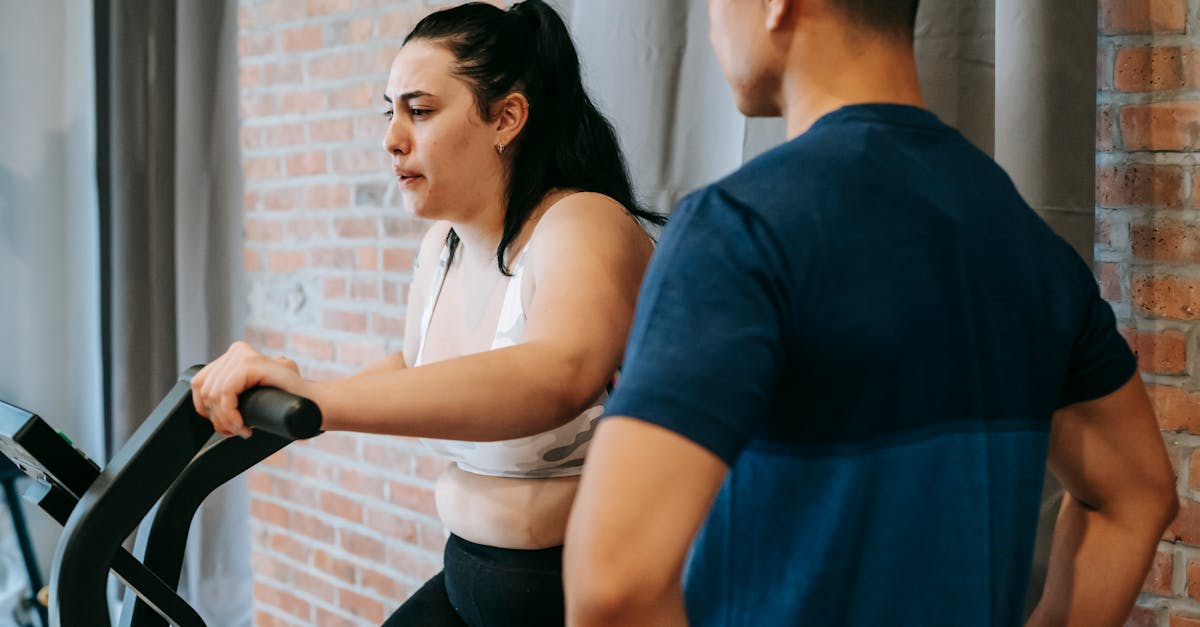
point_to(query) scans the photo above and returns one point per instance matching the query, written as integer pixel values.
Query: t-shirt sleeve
(1101, 361)
(707, 346)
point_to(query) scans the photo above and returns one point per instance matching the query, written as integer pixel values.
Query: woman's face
(443, 153)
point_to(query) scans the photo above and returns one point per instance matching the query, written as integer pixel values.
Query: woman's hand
(215, 389)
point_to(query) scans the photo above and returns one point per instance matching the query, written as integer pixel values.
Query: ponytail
(566, 142)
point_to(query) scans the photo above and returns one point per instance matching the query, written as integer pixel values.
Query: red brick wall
(344, 528)
(1148, 251)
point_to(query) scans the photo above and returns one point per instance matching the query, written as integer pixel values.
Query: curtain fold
(174, 229)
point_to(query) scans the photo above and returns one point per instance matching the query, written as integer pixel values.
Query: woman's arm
(587, 262)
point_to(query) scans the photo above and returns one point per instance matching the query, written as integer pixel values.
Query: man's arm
(645, 493)
(1110, 458)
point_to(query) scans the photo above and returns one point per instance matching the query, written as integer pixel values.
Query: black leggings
(486, 586)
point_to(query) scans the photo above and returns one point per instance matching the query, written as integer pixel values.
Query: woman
(522, 297)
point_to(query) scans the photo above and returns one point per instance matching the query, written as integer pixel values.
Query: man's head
(752, 38)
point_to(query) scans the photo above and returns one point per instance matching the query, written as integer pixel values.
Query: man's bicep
(1110, 447)
(644, 495)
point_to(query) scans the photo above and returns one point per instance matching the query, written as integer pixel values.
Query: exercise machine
(154, 484)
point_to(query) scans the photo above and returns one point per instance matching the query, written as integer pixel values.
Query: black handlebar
(275, 411)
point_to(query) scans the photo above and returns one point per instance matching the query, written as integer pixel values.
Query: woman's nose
(396, 140)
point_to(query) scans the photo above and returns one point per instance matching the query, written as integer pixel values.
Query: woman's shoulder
(583, 221)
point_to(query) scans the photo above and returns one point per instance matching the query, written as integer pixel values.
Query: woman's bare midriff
(504, 512)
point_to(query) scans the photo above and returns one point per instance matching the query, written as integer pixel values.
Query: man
(850, 360)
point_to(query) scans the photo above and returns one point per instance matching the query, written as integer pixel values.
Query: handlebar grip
(275, 411)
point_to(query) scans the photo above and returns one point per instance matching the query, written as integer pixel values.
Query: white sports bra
(558, 452)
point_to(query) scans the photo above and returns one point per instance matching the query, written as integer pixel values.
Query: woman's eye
(418, 114)
(388, 114)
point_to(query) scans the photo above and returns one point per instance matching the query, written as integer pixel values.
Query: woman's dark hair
(566, 142)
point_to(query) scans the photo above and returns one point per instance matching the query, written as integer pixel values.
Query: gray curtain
(1016, 77)
(174, 211)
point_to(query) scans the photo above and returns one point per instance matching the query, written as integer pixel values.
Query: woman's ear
(511, 114)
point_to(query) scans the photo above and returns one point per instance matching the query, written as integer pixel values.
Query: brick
(326, 618)
(351, 31)
(266, 339)
(430, 467)
(406, 560)
(1104, 128)
(252, 260)
(334, 288)
(1161, 353)
(411, 497)
(313, 467)
(1161, 126)
(433, 537)
(283, 135)
(1158, 578)
(303, 102)
(312, 347)
(307, 229)
(334, 196)
(358, 161)
(282, 199)
(1175, 408)
(1145, 69)
(282, 73)
(336, 567)
(286, 261)
(388, 326)
(396, 24)
(292, 548)
(340, 258)
(332, 130)
(361, 606)
(340, 444)
(383, 585)
(268, 512)
(359, 483)
(396, 528)
(270, 567)
(257, 44)
(330, 66)
(351, 321)
(1110, 281)
(259, 483)
(354, 97)
(368, 259)
(257, 105)
(250, 139)
(356, 227)
(262, 230)
(250, 200)
(1140, 185)
(1166, 240)
(327, 7)
(313, 587)
(282, 599)
(1119, 17)
(398, 259)
(338, 505)
(364, 290)
(302, 38)
(358, 355)
(1168, 297)
(313, 528)
(306, 164)
(360, 545)
(262, 169)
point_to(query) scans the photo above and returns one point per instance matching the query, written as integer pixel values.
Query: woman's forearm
(494, 395)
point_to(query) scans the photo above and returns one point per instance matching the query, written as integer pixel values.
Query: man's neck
(824, 77)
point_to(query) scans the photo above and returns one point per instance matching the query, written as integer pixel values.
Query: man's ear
(511, 114)
(777, 11)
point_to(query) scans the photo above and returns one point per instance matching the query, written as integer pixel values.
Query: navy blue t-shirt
(872, 329)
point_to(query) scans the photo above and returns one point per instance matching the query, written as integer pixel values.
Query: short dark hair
(566, 143)
(893, 18)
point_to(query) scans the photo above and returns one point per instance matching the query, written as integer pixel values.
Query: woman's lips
(408, 179)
